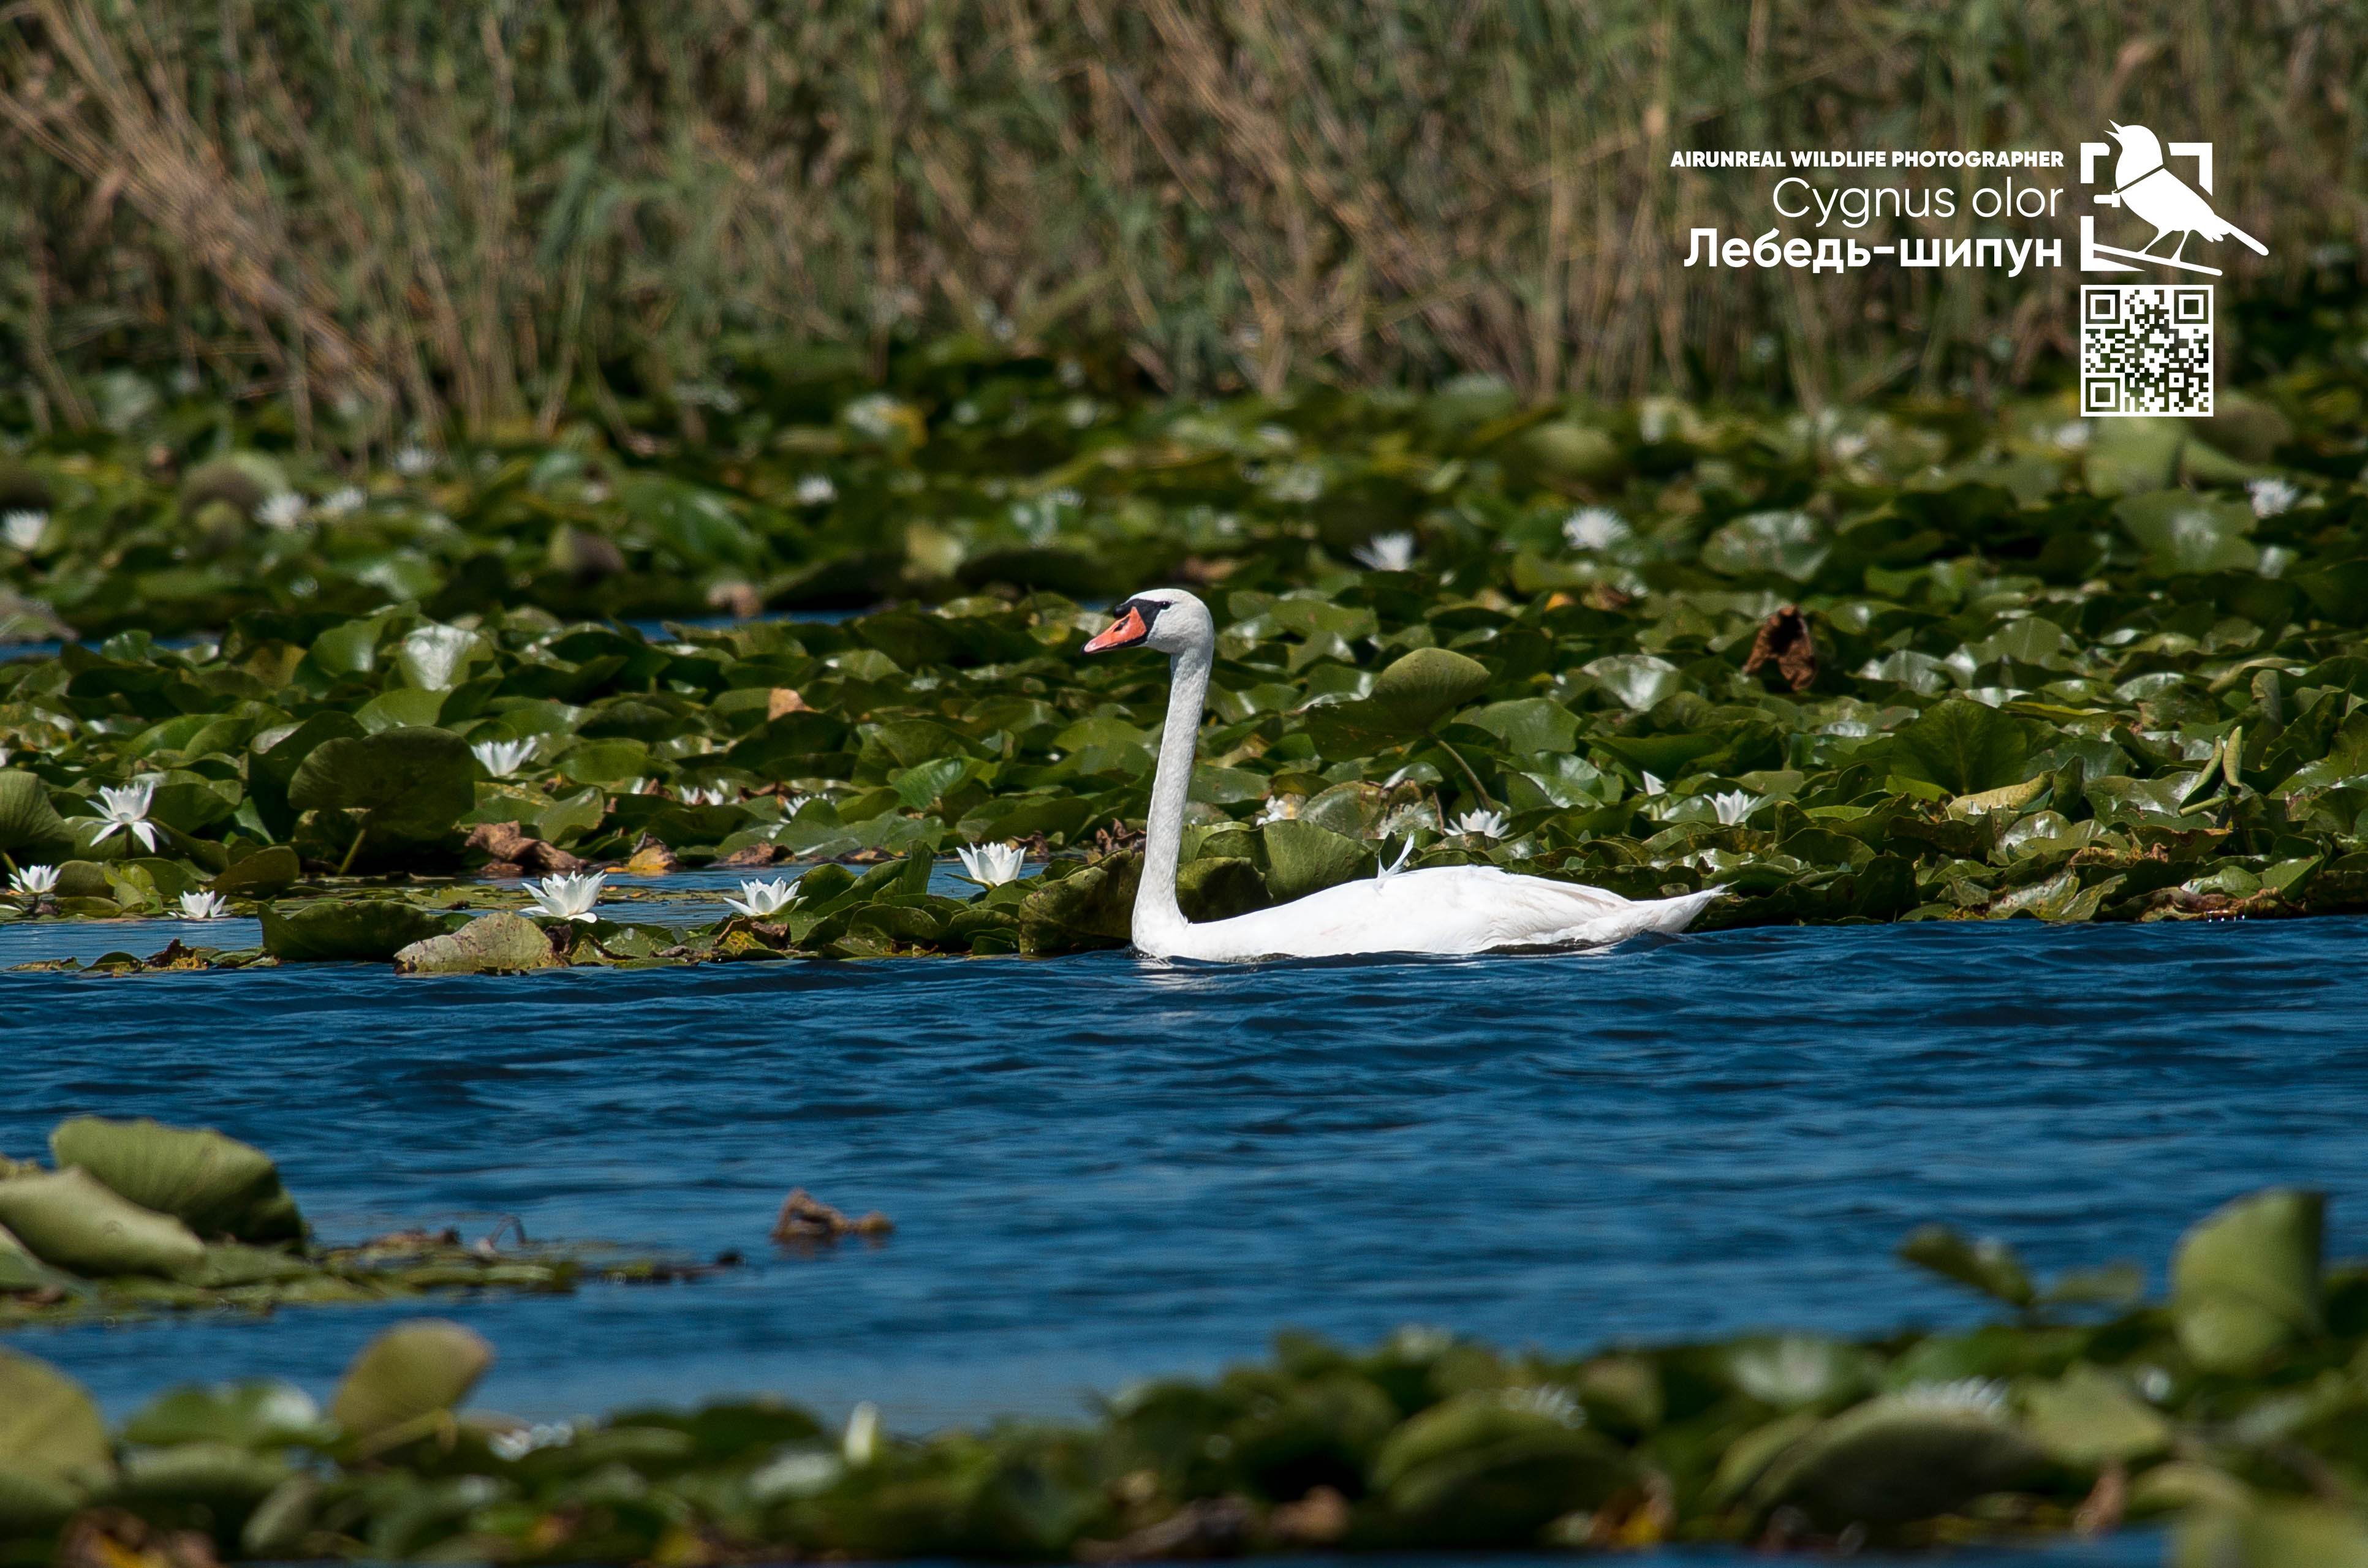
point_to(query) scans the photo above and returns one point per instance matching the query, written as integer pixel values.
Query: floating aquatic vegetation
(2231, 1413)
(1966, 669)
(136, 1218)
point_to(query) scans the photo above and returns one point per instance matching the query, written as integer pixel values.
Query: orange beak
(1127, 629)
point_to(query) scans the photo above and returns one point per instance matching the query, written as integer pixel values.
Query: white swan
(1438, 909)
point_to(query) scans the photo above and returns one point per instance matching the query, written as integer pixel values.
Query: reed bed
(400, 215)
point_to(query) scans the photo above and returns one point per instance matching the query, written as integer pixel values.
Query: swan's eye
(1131, 627)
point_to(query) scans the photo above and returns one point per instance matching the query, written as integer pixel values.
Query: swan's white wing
(1441, 909)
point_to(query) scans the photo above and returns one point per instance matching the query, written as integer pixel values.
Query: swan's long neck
(1158, 922)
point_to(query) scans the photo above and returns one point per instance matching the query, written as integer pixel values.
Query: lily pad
(369, 932)
(2089, 1417)
(214, 1184)
(1408, 697)
(1093, 908)
(68, 1219)
(410, 783)
(261, 1413)
(1494, 1466)
(1303, 859)
(54, 1445)
(1964, 747)
(2245, 1282)
(1897, 1458)
(499, 943)
(30, 828)
(267, 873)
(409, 1374)
(1989, 1265)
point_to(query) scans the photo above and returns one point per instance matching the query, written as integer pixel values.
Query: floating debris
(807, 1219)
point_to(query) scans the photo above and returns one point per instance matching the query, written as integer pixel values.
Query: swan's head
(1167, 620)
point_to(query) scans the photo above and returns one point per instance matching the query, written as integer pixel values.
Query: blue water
(1102, 1169)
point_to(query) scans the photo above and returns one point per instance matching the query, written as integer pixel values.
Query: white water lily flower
(1482, 823)
(516, 1444)
(1555, 1404)
(2270, 496)
(692, 795)
(343, 502)
(124, 809)
(1594, 528)
(861, 1443)
(1733, 806)
(816, 490)
(502, 758)
(793, 804)
(759, 901)
(34, 881)
(24, 529)
(412, 459)
(992, 865)
(566, 897)
(203, 906)
(1977, 1396)
(1386, 552)
(1280, 808)
(283, 511)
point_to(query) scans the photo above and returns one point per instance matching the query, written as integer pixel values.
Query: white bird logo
(2142, 184)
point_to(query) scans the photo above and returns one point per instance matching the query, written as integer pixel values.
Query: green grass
(398, 215)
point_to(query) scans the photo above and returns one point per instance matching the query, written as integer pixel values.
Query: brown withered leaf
(1785, 647)
(805, 1217)
(515, 854)
(784, 700)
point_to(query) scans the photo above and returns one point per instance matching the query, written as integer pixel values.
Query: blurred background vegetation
(392, 216)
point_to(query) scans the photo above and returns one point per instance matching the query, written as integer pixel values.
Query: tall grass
(422, 212)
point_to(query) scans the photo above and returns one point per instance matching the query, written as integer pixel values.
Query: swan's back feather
(1440, 909)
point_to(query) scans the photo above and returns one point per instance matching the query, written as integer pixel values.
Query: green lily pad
(2245, 1282)
(2089, 1417)
(410, 783)
(214, 1184)
(1093, 908)
(68, 1219)
(54, 1445)
(1780, 544)
(262, 1413)
(1494, 1466)
(30, 828)
(500, 943)
(267, 873)
(1408, 697)
(1303, 859)
(370, 932)
(1988, 1266)
(1964, 747)
(413, 1371)
(1897, 1458)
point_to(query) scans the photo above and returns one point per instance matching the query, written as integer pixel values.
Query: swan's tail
(1671, 915)
(1665, 916)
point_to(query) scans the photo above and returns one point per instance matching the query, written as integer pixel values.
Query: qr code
(2145, 348)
